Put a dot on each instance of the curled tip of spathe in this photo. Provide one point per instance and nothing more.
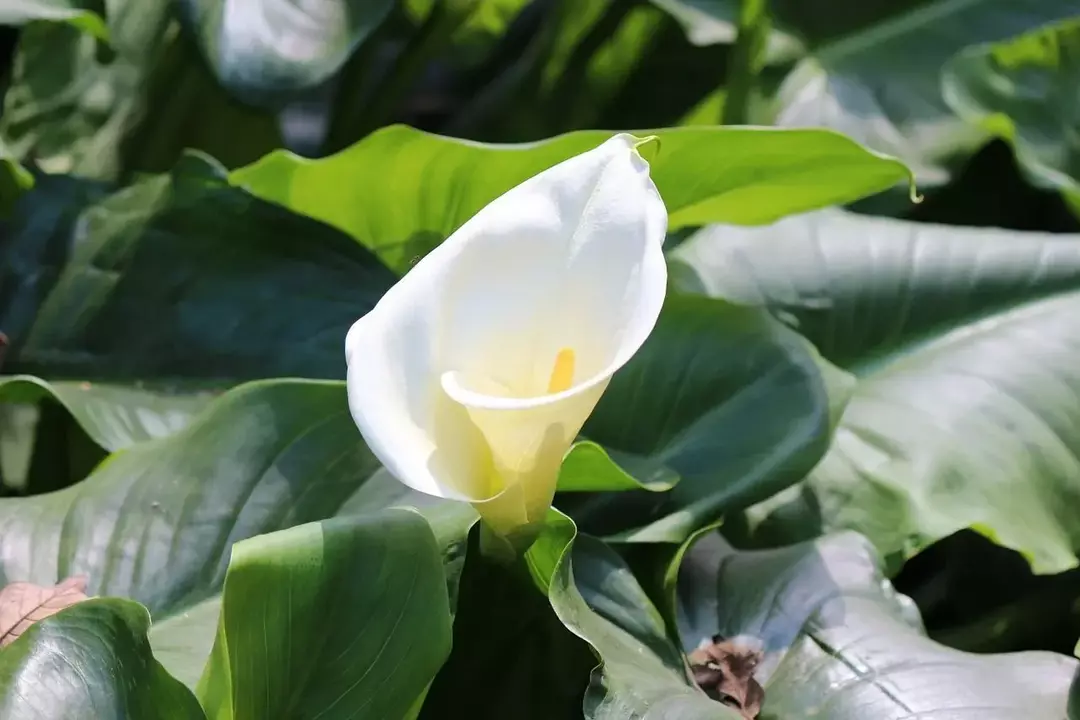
(648, 147)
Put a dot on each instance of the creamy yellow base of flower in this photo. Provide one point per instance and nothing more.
(526, 449)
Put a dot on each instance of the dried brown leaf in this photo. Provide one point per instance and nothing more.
(725, 671)
(22, 604)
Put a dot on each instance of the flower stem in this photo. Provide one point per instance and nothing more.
(747, 59)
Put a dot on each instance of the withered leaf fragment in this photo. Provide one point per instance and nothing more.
(725, 671)
(22, 604)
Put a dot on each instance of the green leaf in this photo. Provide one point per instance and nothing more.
(14, 180)
(724, 398)
(185, 279)
(156, 522)
(1022, 89)
(90, 662)
(428, 185)
(879, 82)
(75, 107)
(86, 15)
(592, 591)
(840, 643)
(588, 467)
(265, 50)
(35, 245)
(114, 415)
(343, 618)
(964, 341)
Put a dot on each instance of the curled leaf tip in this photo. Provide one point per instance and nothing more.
(648, 147)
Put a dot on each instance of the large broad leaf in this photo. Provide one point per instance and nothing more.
(964, 341)
(839, 643)
(265, 50)
(156, 522)
(721, 398)
(343, 618)
(1024, 90)
(426, 186)
(113, 415)
(83, 14)
(880, 82)
(183, 277)
(74, 107)
(91, 661)
(642, 674)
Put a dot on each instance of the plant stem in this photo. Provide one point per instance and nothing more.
(747, 59)
(575, 73)
(428, 41)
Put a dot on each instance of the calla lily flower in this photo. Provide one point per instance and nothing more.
(473, 375)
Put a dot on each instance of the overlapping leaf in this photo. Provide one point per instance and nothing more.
(964, 341)
(839, 642)
(90, 662)
(183, 277)
(343, 618)
(880, 82)
(75, 106)
(428, 185)
(642, 673)
(1024, 89)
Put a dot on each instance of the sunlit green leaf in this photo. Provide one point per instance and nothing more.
(428, 185)
(342, 618)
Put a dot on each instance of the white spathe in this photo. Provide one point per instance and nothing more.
(472, 376)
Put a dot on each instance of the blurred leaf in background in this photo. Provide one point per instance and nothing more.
(1025, 90)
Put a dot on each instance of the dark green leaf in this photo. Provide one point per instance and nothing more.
(1024, 90)
(428, 185)
(156, 522)
(344, 618)
(74, 107)
(840, 643)
(964, 341)
(723, 397)
(879, 79)
(265, 50)
(90, 662)
(643, 674)
(182, 277)
(14, 180)
(35, 245)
